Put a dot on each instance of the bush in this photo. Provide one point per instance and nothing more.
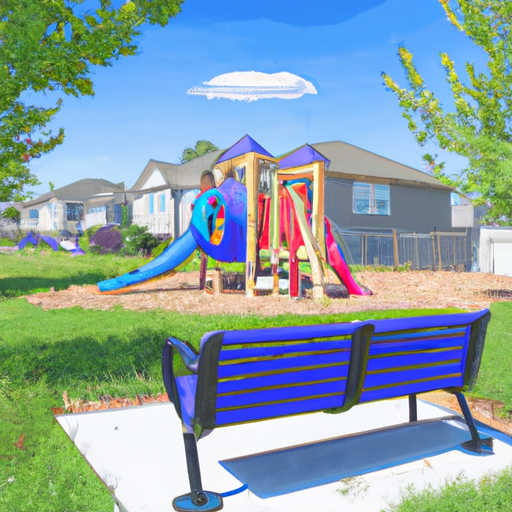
(139, 241)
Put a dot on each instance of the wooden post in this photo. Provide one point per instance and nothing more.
(433, 252)
(439, 250)
(396, 259)
(252, 182)
(275, 239)
(318, 213)
(202, 271)
(217, 284)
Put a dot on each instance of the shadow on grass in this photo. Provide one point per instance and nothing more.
(18, 286)
(88, 366)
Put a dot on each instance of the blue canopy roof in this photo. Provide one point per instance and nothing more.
(302, 156)
(245, 145)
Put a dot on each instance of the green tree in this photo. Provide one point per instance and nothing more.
(479, 125)
(201, 148)
(52, 45)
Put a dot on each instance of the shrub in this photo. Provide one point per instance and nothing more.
(138, 240)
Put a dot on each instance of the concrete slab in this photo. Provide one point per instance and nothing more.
(138, 453)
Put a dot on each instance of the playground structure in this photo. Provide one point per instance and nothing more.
(254, 206)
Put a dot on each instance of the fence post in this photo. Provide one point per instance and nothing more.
(396, 260)
(439, 249)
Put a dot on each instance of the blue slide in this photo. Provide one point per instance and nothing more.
(171, 258)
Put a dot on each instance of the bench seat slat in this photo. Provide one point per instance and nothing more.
(410, 388)
(291, 378)
(275, 365)
(282, 393)
(275, 351)
(277, 410)
(396, 376)
(416, 360)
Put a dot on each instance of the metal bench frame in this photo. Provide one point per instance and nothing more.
(205, 365)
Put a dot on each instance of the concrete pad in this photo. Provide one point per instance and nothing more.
(138, 453)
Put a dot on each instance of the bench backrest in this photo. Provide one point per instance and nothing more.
(257, 374)
(416, 355)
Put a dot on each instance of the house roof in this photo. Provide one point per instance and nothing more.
(351, 162)
(178, 176)
(77, 191)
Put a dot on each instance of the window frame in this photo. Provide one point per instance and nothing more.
(373, 199)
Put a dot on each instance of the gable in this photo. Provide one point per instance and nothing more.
(156, 179)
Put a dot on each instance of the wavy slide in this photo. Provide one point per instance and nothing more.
(177, 253)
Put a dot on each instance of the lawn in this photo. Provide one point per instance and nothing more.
(90, 353)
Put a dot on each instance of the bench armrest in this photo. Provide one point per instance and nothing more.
(188, 355)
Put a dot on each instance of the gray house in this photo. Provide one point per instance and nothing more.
(163, 193)
(365, 191)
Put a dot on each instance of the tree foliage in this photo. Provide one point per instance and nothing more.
(201, 148)
(479, 125)
(52, 45)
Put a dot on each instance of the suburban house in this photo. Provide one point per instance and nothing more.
(163, 193)
(88, 201)
(365, 191)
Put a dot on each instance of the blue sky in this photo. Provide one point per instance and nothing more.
(141, 109)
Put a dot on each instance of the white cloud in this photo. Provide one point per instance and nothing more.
(253, 85)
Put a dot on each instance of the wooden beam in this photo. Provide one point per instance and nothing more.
(252, 178)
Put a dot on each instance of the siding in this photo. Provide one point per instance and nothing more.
(413, 209)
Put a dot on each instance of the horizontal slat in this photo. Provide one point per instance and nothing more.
(281, 379)
(434, 321)
(407, 389)
(395, 377)
(419, 345)
(422, 333)
(419, 359)
(302, 332)
(276, 351)
(272, 365)
(277, 410)
(282, 393)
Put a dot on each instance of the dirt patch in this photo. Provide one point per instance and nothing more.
(391, 290)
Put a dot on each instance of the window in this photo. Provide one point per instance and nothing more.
(98, 209)
(371, 199)
(151, 203)
(33, 214)
(74, 211)
(162, 202)
(52, 210)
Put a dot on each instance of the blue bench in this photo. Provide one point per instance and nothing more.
(251, 375)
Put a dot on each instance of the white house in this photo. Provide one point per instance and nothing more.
(65, 207)
(164, 191)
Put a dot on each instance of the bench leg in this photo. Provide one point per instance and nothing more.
(197, 499)
(477, 444)
(413, 408)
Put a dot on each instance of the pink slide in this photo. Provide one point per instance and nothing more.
(338, 263)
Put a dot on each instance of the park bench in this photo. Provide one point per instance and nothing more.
(257, 374)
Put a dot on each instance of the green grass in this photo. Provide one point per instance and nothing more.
(90, 353)
(25, 272)
(493, 493)
(495, 378)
